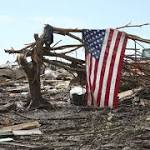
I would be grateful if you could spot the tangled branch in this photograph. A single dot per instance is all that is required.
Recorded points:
(134, 68)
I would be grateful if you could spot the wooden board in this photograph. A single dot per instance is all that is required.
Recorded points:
(28, 125)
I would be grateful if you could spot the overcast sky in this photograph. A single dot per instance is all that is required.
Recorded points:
(20, 19)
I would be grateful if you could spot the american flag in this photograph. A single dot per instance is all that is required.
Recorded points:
(104, 57)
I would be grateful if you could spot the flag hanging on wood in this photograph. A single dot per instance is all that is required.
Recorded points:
(104, 57)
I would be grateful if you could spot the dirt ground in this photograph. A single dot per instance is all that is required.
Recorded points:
(70, 127)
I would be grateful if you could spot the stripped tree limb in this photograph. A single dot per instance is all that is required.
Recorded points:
(64, 30)
(29, 46)
(66, 46)
(133, 26)
(72, 50)
(132, 49)
(63, 65)
(56, 43)
(52, 54)
(137, 38)
(75, 37)
(50, 49)
(69, 58)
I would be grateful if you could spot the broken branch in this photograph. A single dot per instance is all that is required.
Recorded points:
(133, 26)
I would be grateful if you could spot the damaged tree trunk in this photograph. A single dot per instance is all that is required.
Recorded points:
(35, 89)
(32, 70)
(34, 86)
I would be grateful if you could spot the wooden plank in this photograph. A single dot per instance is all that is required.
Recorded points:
(6, 139)
(128, 93)
(28, 125)
(27, 132)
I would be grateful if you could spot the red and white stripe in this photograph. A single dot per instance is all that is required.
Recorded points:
(103, 75)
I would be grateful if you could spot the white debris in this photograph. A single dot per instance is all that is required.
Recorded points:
(35, 131)
(49, 74)
(6, 139)
(77, 90)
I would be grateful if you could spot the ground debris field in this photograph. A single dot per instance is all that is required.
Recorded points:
(69, 127)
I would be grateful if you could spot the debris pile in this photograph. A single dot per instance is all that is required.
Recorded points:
(59, 123)
(69, 126)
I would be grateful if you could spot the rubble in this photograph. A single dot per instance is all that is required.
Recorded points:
(66, 125)
(74, 127)
(7, 73)
(11, 72)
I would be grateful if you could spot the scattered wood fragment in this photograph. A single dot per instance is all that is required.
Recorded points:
(27, 132)
(6, 134)
(18, 89)
(129, 93)
(6, 139)
(7, 107)
(28, 125)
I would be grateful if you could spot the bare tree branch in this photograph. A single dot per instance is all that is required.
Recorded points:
(72, 50)
(137, 38)
(62, 65)
(66, 46)
(133, 26)
(64, 30)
